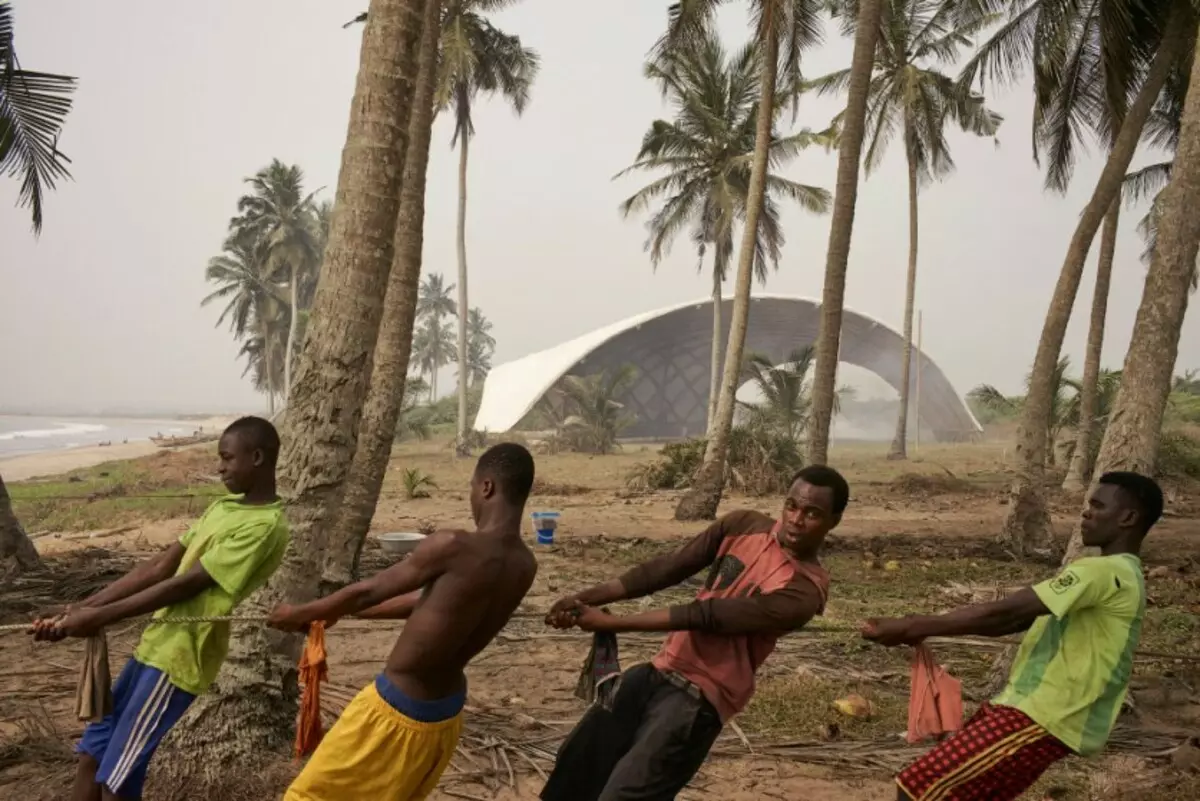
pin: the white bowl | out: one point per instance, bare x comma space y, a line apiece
400, 543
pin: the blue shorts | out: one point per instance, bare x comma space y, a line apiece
145, 707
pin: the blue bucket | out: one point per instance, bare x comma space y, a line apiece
544, 523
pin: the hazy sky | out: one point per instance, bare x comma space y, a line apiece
178, 102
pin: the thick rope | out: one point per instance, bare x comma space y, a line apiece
821, 629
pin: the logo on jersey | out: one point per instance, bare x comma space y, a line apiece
1064, 582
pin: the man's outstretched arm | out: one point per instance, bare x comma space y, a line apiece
394, 609
651, 576
428, 561
781, 611
1010, 615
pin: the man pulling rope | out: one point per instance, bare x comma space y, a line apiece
1071, 674
229, 553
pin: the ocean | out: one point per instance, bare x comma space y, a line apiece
20, 434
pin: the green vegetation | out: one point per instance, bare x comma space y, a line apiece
585, 413
417, 484
116, 494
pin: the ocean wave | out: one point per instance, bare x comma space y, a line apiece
63, 430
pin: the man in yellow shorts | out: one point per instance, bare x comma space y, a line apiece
396, 737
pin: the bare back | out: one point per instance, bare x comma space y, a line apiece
461, 612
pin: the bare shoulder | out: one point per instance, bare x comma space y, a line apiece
442, 544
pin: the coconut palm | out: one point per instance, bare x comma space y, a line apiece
783, 29
594, 417
253, 306
480, 346
392, 387
1103, 71
909, 95
705, 152
252, 718
279, 213
33, 107
434, 300
1132, 436
432, 349
861, 18
476, 59
785, 391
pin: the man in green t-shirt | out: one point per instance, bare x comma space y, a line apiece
1072, 671
228, 554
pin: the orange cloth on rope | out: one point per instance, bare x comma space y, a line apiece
313, 670
935, 699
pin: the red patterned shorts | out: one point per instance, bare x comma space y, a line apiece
995, 757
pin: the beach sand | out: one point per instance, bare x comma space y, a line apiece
48, 463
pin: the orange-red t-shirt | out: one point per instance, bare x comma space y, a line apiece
754, 588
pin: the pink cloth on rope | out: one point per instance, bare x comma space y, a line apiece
935, 699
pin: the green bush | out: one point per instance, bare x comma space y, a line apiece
417, 483
760, 463
1178, 455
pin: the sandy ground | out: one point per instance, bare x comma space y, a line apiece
527, 672
47, 463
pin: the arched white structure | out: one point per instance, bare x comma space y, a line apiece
671, 350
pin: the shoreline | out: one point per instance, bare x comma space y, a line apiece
39, 464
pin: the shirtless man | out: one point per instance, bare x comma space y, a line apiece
397, 736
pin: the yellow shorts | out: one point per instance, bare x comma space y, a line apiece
374, 752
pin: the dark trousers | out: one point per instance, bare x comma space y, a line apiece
646, 748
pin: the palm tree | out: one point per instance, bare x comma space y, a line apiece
433, 298
253, 306
785, 391
253, 715
434, 304
476, 59
480, 346
706, 152
909, 94
1131, 438
1106, 70
863, 22
393, 391
783, 30
33, 107
594, 418
279, 213
432, 349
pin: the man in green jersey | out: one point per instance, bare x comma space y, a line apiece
1072, 670
227, 554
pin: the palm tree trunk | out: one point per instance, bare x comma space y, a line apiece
900, 441
17, 553
714, 367
1135, 423
1028, 524
1081, 460
463, 144
393, 351
269, 367
249, 718
701, 502
293, 326
841, 226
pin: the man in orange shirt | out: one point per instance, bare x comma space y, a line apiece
764, 580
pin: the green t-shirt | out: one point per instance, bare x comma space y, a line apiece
1072, 670
239, 545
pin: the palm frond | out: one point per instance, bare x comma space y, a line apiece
33, 108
